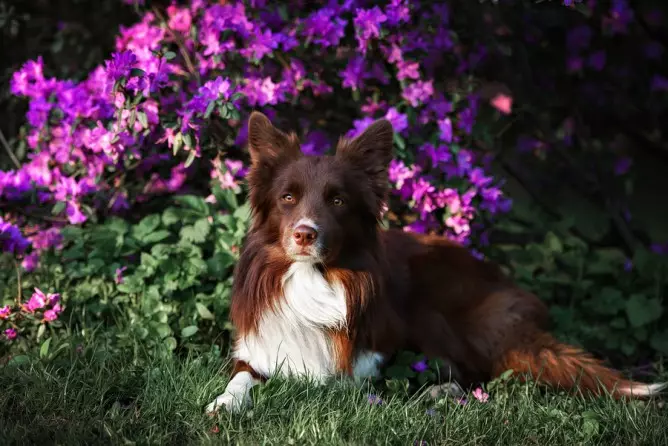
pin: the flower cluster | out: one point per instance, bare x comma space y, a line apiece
94, 143
139, 125
40, 308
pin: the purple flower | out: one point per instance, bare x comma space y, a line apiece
11, 239
628, 265
398, 11
660, 248
420, 366
316, 143
374, 400
260, 92
622, 165
324, 28
445, 126
120, 64
478, 178
597, 60
367, 26
30, 262
360, 126
44, 240
398, 120
354, 73
579, 38
418, 92
262, 43
408, 70
11, 333
659, 83
466, 119
25, 81
211, 91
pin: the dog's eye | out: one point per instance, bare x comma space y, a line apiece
338, 201
288, 198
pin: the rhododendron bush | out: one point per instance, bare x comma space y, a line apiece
165, 116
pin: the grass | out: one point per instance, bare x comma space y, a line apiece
96, 397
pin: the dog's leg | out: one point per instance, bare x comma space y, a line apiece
367, 365
237, 393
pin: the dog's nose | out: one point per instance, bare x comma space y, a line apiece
304, 235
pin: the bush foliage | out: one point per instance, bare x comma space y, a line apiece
123, 201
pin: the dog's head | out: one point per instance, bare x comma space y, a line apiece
317, 208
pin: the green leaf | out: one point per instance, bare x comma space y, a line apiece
204, 311
659, 341
506, 375
188, 140
553, 243
133, 118
189, 331
641, 310
146, 226
608, 302
143, 119
196, 233
170, 342
178, 142
219, 263
44, 349
58, 208
190, 159
209, 109
156, 236
137, 72
169, 55
19, 360
193, 202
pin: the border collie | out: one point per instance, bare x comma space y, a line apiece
322, 290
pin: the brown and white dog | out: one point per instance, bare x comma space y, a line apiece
322, 290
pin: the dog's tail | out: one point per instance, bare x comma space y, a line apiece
564, 366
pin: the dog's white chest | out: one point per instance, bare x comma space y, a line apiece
291, 338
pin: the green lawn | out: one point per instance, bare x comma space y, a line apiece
96, 397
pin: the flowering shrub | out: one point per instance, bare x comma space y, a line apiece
165, 115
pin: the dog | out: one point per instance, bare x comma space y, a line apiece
322, 290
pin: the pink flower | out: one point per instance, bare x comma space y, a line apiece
40, 300
37, 301
480, 395
5, 312
118, 277
502, 103
52, 314
10, 333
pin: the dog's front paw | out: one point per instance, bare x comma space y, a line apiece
231, 402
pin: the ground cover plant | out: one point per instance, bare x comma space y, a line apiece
529, 131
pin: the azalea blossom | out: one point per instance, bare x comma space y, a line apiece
480, 395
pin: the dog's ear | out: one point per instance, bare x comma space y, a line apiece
267, 144
371, 152
270, 149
